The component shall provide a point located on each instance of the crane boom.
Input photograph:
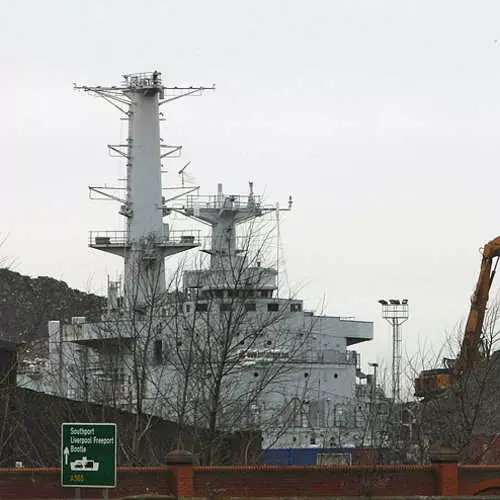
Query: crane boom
(434, 380)
(469, 351)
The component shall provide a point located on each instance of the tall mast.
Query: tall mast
(147, 239)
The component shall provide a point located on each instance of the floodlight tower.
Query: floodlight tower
(395, 312)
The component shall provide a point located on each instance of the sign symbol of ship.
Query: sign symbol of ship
(84, 464)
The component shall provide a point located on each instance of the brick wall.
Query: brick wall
(275, 481)
(46, 483)
(440, 478)
(473, 479)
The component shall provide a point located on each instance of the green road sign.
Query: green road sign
(88, 455)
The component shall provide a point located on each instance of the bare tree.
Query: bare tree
(468, 409)
(231, 345)
(210, 353)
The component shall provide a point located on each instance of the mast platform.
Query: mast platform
(118, 241)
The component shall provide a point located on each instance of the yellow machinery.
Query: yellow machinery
(431, 381)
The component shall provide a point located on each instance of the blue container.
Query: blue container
(298, 456)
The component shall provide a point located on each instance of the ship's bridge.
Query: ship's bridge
(352, 330)
(250, 278)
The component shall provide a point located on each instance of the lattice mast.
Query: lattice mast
(395, 312)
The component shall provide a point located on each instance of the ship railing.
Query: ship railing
(263, 356)
(121, 239)
(148, 79)
(329, 356)
(222, 201)
(108, 238)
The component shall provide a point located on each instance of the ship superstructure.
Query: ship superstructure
(219, 346)
(295, 371)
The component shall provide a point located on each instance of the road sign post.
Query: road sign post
(88, 455)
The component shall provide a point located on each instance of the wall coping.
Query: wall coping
(409, 497)
(57, 470)
(339, 468)
(474, 467)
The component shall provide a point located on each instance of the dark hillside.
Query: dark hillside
(27, 304)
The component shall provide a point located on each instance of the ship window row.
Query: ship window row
(158, 352)
(249, 307)
(265, 354)
(234, 293)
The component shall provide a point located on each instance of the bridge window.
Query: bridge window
(158, 352)
(273, 307)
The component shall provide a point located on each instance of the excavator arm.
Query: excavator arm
(430, 381)
(469, 351)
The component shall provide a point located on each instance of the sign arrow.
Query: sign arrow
(66, 454)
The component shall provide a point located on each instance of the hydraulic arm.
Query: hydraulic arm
(430, 381)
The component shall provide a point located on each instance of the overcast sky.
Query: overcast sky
(381, 118)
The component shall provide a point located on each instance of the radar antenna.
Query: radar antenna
(181, 172)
